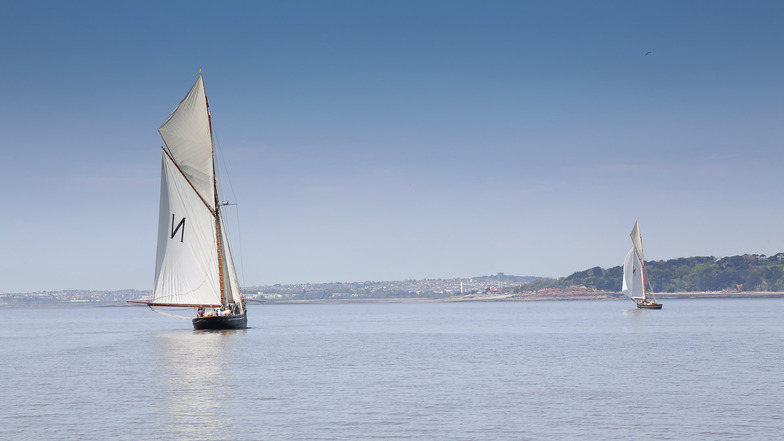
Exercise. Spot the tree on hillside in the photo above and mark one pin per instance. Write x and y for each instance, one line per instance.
(748, 272)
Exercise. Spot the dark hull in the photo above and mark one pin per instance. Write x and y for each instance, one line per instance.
(237, 321)
(649, 305)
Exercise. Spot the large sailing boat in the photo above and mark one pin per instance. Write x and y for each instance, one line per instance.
(193, 265)
(634, 274)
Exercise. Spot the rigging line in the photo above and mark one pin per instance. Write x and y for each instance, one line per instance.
(170, 315)
(239, 239)
(219, 149)
(231, 240)
(184, 176)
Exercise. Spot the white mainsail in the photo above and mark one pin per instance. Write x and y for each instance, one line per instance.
(632, 276)
(186, 265)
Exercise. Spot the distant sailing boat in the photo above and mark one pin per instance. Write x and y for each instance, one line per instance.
(193, 265)
(634, 274)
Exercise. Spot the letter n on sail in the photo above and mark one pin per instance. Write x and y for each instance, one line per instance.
(174, 229)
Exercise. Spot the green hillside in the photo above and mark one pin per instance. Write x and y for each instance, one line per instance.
(750, 272)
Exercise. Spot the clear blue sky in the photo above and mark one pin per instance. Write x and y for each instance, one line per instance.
(370, 140)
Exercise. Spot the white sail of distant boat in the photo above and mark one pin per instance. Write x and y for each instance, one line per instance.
(637, 241)
(632, 276)
(634, 273)
(193, 265)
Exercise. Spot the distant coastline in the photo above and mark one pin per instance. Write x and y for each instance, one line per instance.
(527, 297)
(701, 277)
(578, 294)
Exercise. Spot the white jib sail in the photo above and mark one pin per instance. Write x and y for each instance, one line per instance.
(230, 284)
(186, 265)
(187, 135)
(632, 276)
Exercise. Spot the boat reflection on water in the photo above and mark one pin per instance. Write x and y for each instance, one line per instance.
(195, 386)
(635, 312)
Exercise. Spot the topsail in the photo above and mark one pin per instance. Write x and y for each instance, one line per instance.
(188, 136)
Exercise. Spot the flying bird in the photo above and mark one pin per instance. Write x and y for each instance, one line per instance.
(649, 52)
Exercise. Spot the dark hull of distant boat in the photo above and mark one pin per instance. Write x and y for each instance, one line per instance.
(236, 321)
(649, 305)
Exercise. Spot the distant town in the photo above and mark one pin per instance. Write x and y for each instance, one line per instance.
(584, 285)
(406, 289)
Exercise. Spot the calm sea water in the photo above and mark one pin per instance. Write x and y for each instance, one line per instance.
(599, 370)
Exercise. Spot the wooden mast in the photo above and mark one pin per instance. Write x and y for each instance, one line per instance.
(644, 291)
(217, 202)
(644, 279)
